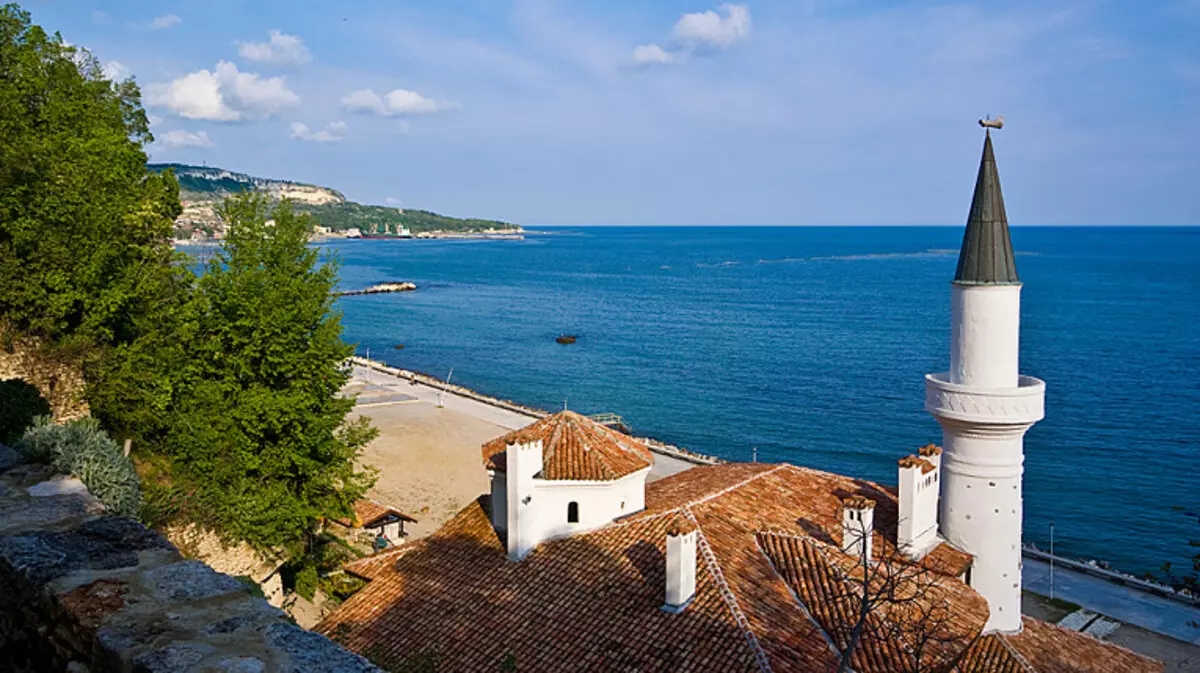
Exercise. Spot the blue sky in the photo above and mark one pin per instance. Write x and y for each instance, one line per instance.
(772, 112)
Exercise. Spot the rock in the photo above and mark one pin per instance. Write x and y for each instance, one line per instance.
(30, 513)
(59, 485)
(91, 603)
(105, 543)
(240, 665)
(171, 659)
(9, 458)
(189, 581)
(250, 613)
(313, 653)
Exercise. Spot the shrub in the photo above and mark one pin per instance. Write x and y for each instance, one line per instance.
(20, 404)
(306, 582)
(80, 448)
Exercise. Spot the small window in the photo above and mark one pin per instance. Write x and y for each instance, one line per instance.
(573, 512)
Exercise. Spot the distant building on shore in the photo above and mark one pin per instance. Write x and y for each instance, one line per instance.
(574, 562)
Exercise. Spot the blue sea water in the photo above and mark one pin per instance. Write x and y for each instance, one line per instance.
(811, 344)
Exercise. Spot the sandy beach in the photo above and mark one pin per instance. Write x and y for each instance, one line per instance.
(428, 456)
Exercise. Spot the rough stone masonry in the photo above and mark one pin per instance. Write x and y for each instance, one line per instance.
(87, 592)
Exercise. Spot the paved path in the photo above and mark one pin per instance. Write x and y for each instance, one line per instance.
(1128, 605)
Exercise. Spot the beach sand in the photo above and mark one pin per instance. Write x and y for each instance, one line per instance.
(429, 459)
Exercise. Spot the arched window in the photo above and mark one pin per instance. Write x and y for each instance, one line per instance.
(572, 512)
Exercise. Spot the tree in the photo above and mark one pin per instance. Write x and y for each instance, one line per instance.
(890, 598)
(84, 229)
(237, 389)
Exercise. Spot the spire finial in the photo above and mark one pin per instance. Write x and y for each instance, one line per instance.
(987, 255)
(989, 123)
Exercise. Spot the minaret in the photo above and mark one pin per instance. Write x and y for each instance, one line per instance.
(984, 406)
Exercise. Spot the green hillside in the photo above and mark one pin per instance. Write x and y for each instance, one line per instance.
(201, 187)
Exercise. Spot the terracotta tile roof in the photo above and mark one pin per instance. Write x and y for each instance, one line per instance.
(768, 571)
(913, 461)
(858, 502)
(820, 576)
(1052, 649)
(574, 447)
(368, 512)
(991, 654)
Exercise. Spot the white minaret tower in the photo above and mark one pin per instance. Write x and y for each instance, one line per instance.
(984, 406)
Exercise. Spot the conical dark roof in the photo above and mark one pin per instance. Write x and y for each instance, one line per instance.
(987, 254)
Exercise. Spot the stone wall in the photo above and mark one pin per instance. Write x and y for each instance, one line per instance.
(86, 592)
(61, 383)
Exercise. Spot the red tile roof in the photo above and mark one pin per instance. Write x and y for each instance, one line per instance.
(574, 447)
(368, 512)
(769, 573)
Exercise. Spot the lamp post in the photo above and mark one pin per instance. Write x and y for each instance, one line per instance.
(1051, 560)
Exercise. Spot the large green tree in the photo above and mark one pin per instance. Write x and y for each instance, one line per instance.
(238, 388)
(84, 229)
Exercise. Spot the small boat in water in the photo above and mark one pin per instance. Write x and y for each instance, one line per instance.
(566, 339)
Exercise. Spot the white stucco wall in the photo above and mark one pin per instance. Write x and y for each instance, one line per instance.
(917, 522)
(681, 570)
(985, 335)
(600, 502)
(858, 529)
(538, 509)
(499, 501)
(522, 462)
(985, 407)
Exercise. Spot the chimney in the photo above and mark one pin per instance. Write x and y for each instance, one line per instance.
(522, 463)
(681, 568)
(858, 525)
(933, 454)
(916, 528)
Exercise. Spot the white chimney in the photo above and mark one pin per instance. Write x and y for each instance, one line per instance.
(681, 569)
(858, 525)
(916, 527)
(521, 463)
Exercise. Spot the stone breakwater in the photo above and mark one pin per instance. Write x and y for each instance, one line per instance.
(87, 592)
(381, 288)
(508, 405)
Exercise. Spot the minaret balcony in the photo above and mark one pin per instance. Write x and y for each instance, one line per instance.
(1018, 407)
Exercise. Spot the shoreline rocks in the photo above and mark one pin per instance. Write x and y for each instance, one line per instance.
(381, 288)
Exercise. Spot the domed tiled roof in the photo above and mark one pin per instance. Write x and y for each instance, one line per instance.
(576, 448)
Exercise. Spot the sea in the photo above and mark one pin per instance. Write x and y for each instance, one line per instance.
(809, 345)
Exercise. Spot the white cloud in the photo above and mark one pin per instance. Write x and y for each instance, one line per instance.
(165, 21)
(712, 30)
(225, 94)
(335, 132)
(115, 70)
(393, 201)
(154, 119)
(652, 53)
(397, 102)
(99, 17)
(699, 32)
(181, 139)
(280, 49)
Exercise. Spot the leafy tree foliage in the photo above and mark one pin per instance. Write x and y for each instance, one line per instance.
(237, 388)
(84, 229)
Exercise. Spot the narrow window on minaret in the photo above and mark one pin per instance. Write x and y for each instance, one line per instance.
(573, 512)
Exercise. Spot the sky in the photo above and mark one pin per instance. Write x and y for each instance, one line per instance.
(628, 112)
